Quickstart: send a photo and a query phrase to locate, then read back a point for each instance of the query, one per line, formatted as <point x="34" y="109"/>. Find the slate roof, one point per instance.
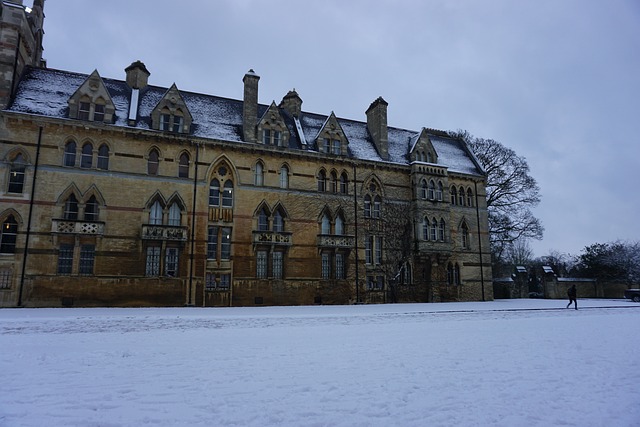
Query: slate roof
<point x="45" y="92"/>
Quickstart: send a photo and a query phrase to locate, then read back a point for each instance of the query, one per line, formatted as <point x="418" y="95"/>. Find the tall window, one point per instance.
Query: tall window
<point x="339" y="227"/>
<point x="441" y="230"/>
<point x="153" y="261"/>
<point x="259" y="175"/>
<point x="65" y="259"/>
<point x="263" y="220"/>
<point x="86" y="159"/>
<point x="335" y="147"/>
<point x="98" y="112"/>
<point x="378" y="250"/>
<point x="16" y="174"/>
<point x="326" y="265"/>
<point x="367" y="206"/>
<point x="266" y="136"/>
<point x="439" y="191"/>
<point x="368" y="249"/>
<point x="322" y="181"/>
<point x="152" y="162"/>
<point x="278" y="264"/>
<point x="171" y="262"/>
<point x="227" y="194"/>
<point x="70" y="154"/>
<point x="340" y="270"/>
<point x="377" y="203"/>
<point x="465" y="235"/>
<point x="461" y="197"/>
<point x="425" y="228"/>
<point x="155" y="213"/>
<point x="225" y="247"/>
<point x="175" y="214"/>
<point x="432" y="190"/>
<point x="165" y="119"/>
<point x="456" y="274"/>
<point x="214" y="192"/>
<point x="469" y="197"/>
<point x="84" y="109"/>
<point x="212" y="243"/>
<point x="277" y="138"/>
<point x="8" y="235"/>
<point x="284" y="177"/>
<point x="183" y="166"/>
<point x="325" y="227"/>
<point x="453" y="193"/>
<point x="91" y="209"/>
<point x="103" y="157"/>
<point x="87" y="258"/>
<point x="434" y="229"/>
<point x="278" y="222"/>
<point x="261" y="264"/>
<point x="178" y="121"/>
<point x="5" y="278"/>
<point x="423" y="189"/>
<point x="334" y="182"/>
<point x="344" y="181"/>
<point x="71" y="208"/>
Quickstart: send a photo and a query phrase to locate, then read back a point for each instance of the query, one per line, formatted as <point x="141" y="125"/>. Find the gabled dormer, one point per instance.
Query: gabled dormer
<point x="331" y="138"/>
<point x="272" y="129"/>
<point x="171" y="114"/>
<point x="91" y="101"/>
<point x="422" y="149"/>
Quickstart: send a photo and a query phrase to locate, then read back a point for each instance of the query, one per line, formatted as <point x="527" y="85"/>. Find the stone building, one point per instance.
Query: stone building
<point x="121" y="193"/>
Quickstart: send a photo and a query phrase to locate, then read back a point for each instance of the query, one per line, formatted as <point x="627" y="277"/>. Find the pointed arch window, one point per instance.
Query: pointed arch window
<point x="344" y="183"/>
<point x="367" y="206"/>
<point x="339" y="227"/>
<point x="175" y="214"/>
<point x="456" y="274"/>
<point x="70" y="154"/>
<point x="214" y="192"/>
<point x="263" y="220"/>
<point x="377" y="204"/>
<point x="86" y="159"/>
<point x="432" y="190"/>
<point x="325" y="227"/>
<point x="152" y="162"/>
<point x="469" y="197"/>
<point x="71" y="208"/>
<point x="423" y="189"/>
<point x="441" y="230"/>
<point x="258" y="179"/>
<point x="284" y="177"/>
<point x="461" y="196"/>
<point x="453" y="192"/>
<point x="8" y="235"/>
<point x="425" y="228"/>
<point x="103" y="157"/>
<point x="322" y="181"/>
<point x="450" y="279"/>
<point x="155" y="213"/>
<point x="334" y="182"/>
<point x="227" y="194"/>
<point x="439" y="191"/>
<point x="278" y="222"/>
<point x="183" y="166"/>
<point x="434" y="229"/>
<point x="91" y="212"/>
<point x="16" y="174"/>
<point x="465" y="235"/>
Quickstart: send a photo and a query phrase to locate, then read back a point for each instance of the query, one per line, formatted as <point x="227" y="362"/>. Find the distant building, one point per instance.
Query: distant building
<point x="121" y="193"/>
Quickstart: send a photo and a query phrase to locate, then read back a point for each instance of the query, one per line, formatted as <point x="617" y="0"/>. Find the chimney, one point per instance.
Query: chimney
<point x="250" y="106"/>
<point x="377" y="126"/>
<point x="137" y="75"/>
<point x="292" y="103"/>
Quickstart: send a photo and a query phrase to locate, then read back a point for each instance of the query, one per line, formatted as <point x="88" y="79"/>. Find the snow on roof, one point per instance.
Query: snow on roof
<point x="46" y="92"/>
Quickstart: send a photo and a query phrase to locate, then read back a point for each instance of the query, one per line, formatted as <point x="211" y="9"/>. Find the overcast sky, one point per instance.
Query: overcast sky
<point x="558" y="81"/>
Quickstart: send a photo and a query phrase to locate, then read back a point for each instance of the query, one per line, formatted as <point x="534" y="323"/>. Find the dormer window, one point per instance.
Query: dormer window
<point x="98" y="113"/>
<point x="336" y="147"/>
<point x="84" y="109"/>
<point x="165" y="120"/>
<point x="272" y="137"/>
<point x="171" y="122"/>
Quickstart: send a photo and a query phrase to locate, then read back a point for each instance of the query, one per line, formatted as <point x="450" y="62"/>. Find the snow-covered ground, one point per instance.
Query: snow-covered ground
<point x="502" y="363"/>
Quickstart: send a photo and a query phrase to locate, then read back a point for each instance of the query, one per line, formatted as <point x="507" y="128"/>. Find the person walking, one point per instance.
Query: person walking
<point x="571" y="292"/>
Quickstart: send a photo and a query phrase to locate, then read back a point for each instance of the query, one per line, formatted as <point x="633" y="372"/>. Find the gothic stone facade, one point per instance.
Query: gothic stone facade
<point x="120" y="193"/>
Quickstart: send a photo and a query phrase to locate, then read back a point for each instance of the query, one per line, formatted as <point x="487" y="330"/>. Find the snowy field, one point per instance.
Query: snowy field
<point x="502" y="363"/>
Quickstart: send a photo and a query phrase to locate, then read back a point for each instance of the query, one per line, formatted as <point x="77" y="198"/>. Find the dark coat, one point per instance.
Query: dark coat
<point x="572" y="292"/>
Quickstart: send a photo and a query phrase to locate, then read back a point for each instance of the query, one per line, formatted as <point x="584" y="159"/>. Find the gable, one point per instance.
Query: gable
<point x="330" y="134"/>
<point x="171" y="113"/>
<point x="422" y="150"/>
<point x="272" y="128"/>
<point x="92" y="101"/>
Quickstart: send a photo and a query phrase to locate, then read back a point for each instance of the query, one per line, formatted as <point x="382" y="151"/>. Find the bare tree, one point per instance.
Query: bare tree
<point x="511" y="193"/>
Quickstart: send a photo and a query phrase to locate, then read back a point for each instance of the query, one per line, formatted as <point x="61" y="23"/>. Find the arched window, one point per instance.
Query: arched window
<point x="263" y="220"/>
<point x="465" y="235"/>
<point x="227" y="194"/>
<point x="450" y="279"/>
<point x="423" y="189"/>
<point x="432" y="190"/>
<point x="183" y="166"/>
<point x="278" y="222"/>
<point x="103" y="157"/>
<point x="377" y="204"/>
<point x="8" y="235"/>
<point x="339" y="227"/>
<point x="367" y="206"/>
<point x="469" y="197"/>
<point x="425" y="228"/>
<point x="406" y="276"/>
<point x="214" y="192"/>
<point x="325" y="227"/>
<point x="258" y="178"/>
<point x="153" y="162"/>
<point x="70" y="154"/>
<point x="322" y="180"/>
<point x="454" y="193"/>
<point x="456" y="274"/>
<point x="16" y="174"/>
<point x="91" y="212"/>
<point x="439" y="191"/>
<point x="344" y="180"/>
<point x="284" y="177"/>
<point x="86" y="160"/>
<point x="461" y="196"/>
<point x="441" y="230"/>
<point x="434" y="229"/>
<point x="71" y="208"/>
<point x="175" y="214"/>
<point x="334" y="182"/>
<point x="155" y="213"/>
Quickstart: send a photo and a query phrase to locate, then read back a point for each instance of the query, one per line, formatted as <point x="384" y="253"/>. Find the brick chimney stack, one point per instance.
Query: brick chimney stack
<point x="377" y="126"/>
<point x="250" y="106"/>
